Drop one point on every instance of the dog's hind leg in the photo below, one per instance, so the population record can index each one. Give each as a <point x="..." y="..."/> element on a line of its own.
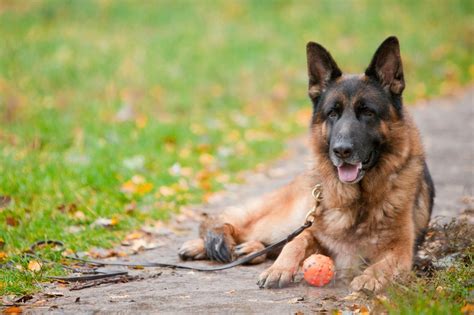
<point x="254" y="223"/>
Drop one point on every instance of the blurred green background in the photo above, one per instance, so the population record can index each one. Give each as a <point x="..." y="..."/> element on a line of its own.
<point x="130" y="110"/>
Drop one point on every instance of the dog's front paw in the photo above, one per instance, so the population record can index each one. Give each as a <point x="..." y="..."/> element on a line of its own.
<point x="367" y="283"/>
<point x="192" y="250"/>
<point x="275" y="277"/>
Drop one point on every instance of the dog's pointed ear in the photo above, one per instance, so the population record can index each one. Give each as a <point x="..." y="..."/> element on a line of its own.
<point x="322" y="69"/>
<point x="386" y="66"/>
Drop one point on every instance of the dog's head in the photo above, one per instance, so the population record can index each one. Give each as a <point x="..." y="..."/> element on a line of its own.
<point x="353" y="111"/>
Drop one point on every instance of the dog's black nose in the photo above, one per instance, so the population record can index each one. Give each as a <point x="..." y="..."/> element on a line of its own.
<point x="343" y="150"/>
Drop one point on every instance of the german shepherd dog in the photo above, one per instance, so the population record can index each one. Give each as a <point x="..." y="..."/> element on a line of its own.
<point x="377" y="190"/>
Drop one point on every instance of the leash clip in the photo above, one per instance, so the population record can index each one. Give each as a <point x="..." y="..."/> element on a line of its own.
<point x="317" y="195"/>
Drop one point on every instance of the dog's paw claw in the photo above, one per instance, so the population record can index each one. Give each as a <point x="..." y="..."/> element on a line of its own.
<point x="366" y="283"/>
<point x="275" y="278"/>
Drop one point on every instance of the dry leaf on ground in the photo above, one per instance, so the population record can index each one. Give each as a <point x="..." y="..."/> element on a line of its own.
<point x="11" y="221"/>
<point x="34" y="265"/>
<point x="13" y="310"/>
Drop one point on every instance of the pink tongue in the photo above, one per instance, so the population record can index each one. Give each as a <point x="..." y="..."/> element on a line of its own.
<point x="348" y="172"/>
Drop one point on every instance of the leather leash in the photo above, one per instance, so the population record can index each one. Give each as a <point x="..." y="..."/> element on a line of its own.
<point x="232" y="264"/>
<point x="309" y="219"/>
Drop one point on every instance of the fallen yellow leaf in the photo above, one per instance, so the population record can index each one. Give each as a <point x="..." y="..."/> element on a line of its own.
<point x="67" y="252"/>
<point x="128" y="187"/>
<point x="144" y="188"/>
<point x="34" y="265"/>
<point x="114" y="221"/>
<point x="13" y="310"/>
<point x="364" y="310"/>
<point x="137" y="185"/>
<point x="134" y="235"/>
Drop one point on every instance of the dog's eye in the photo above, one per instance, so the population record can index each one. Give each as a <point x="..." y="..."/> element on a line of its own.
<point x="367" y="113"/>
<point x="332" y="114"/>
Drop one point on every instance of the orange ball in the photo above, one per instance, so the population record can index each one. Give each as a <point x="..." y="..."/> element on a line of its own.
<point x="318" y="270"/>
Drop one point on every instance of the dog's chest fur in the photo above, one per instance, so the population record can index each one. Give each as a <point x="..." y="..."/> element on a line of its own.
<point x="356" y="233"/>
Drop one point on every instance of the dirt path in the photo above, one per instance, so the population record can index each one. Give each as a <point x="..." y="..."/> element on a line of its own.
<point x="447" y="127"/>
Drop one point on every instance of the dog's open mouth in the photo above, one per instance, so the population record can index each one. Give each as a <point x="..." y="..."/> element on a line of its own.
<point x="350" y="173"/>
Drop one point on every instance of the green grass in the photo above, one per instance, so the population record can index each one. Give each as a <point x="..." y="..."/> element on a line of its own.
<point x="93" y="93"/>
<point x="447" y="292"/>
